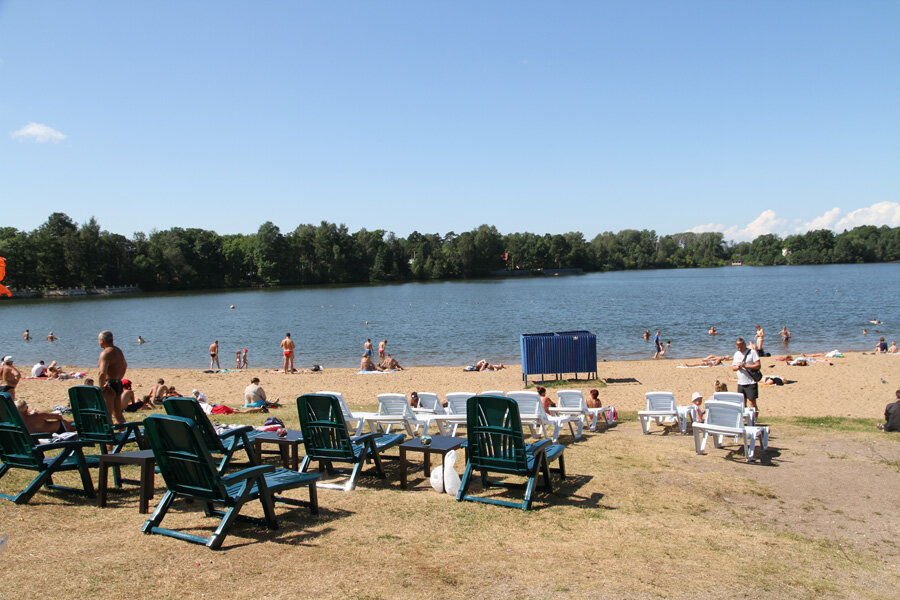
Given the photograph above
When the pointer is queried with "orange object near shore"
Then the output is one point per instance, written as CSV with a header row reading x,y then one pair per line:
x,y
3,289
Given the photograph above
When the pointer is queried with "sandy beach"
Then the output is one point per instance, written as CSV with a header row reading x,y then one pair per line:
x,y
810,519
850,387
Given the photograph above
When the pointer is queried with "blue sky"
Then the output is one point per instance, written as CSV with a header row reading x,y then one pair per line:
x,y
742,117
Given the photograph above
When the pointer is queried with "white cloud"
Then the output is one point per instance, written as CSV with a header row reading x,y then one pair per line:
x,y
38,132
880,213
825,221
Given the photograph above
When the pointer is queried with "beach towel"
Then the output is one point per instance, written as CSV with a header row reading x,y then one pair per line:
x,y
694,367
370,372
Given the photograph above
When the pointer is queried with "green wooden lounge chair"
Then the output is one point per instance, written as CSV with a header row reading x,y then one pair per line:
x,y
496,444
326,439
190,472
18,451
225,444
94,425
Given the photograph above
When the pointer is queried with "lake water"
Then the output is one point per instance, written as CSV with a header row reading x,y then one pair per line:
x,y
457,323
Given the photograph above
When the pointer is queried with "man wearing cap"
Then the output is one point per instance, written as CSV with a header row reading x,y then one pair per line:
x,y
9,377
112,368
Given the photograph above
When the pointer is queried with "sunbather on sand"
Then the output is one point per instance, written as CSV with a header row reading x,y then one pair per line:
x,y
710,361
389,364
41,422
366,364
483,365
594,400
255,397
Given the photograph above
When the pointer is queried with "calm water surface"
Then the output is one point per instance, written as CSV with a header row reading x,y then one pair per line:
x,y
457,323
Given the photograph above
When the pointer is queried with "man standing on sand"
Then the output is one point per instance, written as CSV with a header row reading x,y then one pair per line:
x,y
214,355
287,347
9,377
112,368
746,360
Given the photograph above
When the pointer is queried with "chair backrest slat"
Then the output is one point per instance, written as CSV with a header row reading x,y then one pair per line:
x,y
182,457
91,415
456,402
495,438
735,398
16,448
190,408
572,399
325,435
431,401
724,414
529,402
394,405
660,401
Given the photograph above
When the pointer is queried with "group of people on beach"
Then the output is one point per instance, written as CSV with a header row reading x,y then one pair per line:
x,y
386,362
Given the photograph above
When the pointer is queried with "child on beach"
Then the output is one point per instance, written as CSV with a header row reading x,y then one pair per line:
x,y
695,410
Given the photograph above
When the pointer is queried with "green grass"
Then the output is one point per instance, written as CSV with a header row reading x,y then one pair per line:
x,y
831,423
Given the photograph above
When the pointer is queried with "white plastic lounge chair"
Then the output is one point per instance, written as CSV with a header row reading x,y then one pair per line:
x,y
493,393
738,400
456,410
661,407
572,402
394,409
429,404
356,421
532,413
726,419
430,410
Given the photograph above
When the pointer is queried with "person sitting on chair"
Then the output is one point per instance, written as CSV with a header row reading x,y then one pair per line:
x,y
42,422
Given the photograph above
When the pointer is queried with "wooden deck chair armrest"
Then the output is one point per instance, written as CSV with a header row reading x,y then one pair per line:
x,y
248,473
236,431
63,444
37,437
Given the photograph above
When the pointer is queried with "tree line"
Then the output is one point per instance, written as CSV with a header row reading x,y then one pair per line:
x,y
61,254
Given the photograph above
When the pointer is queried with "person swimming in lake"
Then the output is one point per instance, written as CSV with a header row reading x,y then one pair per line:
x,y
712,330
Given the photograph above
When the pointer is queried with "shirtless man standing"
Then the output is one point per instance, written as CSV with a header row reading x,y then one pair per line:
x,y
287,347
26,336
9,377
214,355
112,368
381,346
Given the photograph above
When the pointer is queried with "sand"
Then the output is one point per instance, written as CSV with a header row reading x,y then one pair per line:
x,y
851,387
638,516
